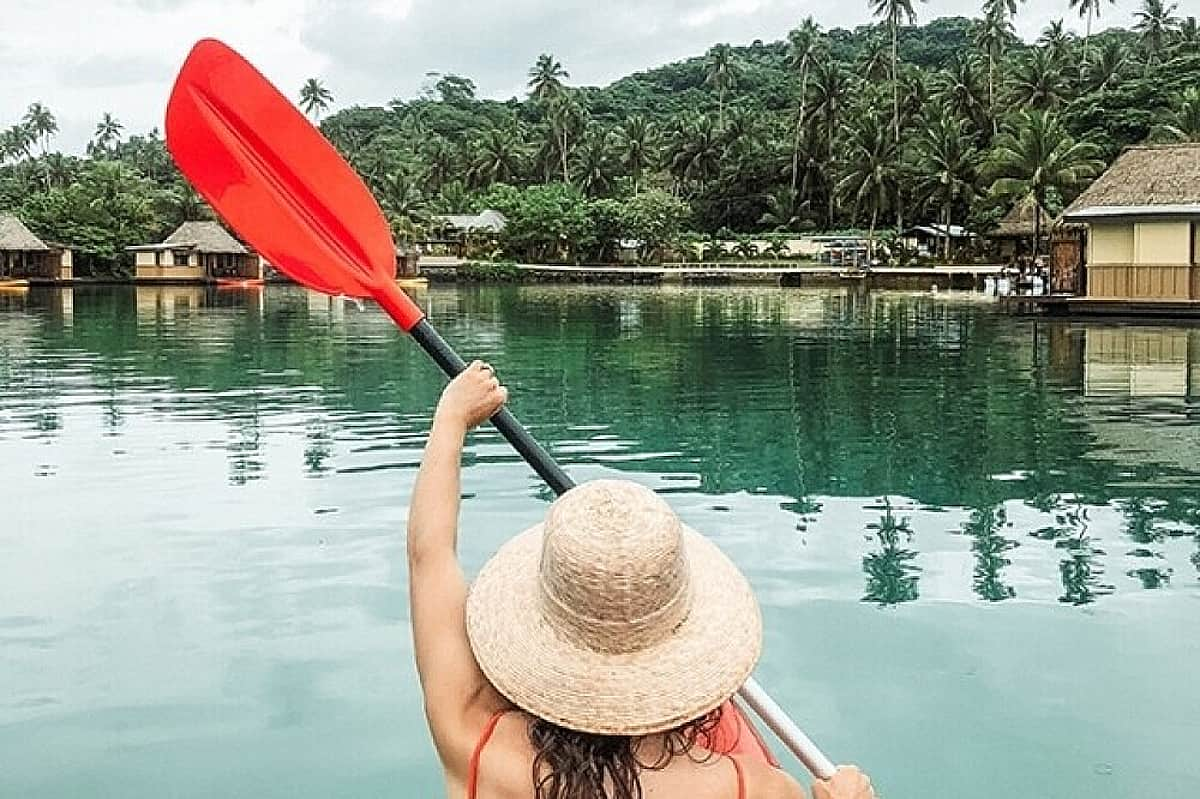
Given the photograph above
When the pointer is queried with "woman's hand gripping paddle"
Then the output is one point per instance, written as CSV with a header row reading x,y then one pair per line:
x,y
276,180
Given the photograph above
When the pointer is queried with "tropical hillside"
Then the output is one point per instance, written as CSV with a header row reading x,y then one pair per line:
x,y
871,129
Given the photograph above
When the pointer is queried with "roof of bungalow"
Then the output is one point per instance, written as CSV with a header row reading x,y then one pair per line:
x,y
1018,222
939,230
14,236
1147,180
487,219
198,236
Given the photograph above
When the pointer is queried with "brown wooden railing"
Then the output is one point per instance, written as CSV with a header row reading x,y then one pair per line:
x,y
1144,281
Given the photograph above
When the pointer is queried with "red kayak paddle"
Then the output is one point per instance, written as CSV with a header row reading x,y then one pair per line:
x,y
283,187
288,193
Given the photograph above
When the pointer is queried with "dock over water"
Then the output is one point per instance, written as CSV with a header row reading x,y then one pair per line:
x,y
943,277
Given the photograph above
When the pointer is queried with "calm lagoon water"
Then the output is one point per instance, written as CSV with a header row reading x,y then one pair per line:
x,y
976,539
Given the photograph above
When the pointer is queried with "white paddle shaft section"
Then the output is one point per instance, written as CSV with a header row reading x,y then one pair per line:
x,y
792,736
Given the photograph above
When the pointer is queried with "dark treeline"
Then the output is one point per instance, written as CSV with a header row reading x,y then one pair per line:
x,y
870,129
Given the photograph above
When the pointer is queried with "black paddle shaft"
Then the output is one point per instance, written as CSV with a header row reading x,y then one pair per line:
x,y
452,364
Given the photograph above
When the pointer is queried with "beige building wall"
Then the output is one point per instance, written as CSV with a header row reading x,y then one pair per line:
x,y
1110,243
1162,243
1143,260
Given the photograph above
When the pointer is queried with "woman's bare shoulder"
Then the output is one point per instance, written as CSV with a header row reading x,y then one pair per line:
x,y
767,782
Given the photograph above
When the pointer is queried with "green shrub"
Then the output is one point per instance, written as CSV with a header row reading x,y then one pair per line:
x,y
489,272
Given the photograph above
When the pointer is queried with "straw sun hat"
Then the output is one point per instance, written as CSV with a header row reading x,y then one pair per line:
x,y
612,617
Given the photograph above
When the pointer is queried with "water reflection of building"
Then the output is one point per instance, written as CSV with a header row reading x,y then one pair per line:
x,y
1158,367
1141,361
1130,361
164,303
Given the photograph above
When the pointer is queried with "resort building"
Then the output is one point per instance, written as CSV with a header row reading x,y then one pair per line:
x,y
23,256
1143,226
451,234
1015,232
930,240
196,252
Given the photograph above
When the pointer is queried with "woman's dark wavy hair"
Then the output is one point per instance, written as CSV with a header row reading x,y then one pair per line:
x,y
579,765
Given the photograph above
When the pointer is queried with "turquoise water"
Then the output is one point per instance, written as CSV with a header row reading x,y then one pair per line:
x,y
975,538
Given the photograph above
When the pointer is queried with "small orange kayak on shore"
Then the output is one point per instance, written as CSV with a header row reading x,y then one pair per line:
x,y
13,284
239,283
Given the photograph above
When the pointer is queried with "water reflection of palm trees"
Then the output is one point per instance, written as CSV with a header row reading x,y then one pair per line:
x,y
1079,570
1143,528
318,448
990,548
892,577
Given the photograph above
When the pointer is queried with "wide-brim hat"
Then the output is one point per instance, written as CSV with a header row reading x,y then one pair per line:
x,y
612,617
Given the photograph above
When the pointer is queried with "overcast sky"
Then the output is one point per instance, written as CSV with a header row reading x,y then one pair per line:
x,y
84,58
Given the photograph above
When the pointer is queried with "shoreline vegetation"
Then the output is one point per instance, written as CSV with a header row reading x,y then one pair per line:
x,y
867,130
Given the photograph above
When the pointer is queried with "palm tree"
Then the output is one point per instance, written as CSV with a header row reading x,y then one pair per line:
x,y
1109,64
15,143
1038,82
441,161
568,120
315,99
1188,35
638,147
498,157
802,45
874,61
946,168
722,74
593,163
696,152
546,78
1183,122
1057,39
41,125
401,199
108,132
871,179
783,209
893,12
1036,156
1089,9
58,168
959,90
1156,24
831,92
990,36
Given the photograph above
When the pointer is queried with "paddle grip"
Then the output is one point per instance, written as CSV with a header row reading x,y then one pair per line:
x,y
449,362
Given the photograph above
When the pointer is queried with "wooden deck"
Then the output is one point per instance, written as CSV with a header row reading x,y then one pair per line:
x,y
1064,305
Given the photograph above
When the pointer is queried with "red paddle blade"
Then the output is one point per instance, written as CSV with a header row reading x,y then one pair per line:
x,y
275,179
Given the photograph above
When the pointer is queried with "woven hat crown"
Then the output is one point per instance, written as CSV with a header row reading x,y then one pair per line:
x,y
614,573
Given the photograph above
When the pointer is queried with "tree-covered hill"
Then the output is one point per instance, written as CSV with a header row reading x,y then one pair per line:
x,y
887,124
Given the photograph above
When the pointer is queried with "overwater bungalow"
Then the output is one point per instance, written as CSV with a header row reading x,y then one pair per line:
x,y
1143,226
24,256
197,252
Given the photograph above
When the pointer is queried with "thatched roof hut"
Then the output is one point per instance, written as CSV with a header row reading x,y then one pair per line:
x,y
1019,222
1147,180
15,237
204,237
